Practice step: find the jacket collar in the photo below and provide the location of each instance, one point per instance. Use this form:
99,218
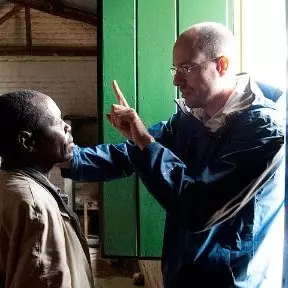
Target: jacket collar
64,209
243,96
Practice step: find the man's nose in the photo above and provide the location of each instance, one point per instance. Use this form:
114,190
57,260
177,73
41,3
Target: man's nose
178,79
68,128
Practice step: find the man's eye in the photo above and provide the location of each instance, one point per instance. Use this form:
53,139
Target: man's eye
184,70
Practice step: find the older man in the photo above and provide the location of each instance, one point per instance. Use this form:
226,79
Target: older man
41,244
214,166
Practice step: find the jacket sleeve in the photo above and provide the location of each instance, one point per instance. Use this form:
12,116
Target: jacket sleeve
99,163
107,161
193,201
37,254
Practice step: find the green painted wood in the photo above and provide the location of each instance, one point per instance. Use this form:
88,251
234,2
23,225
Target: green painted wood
119,233
138,53
156,36
191,12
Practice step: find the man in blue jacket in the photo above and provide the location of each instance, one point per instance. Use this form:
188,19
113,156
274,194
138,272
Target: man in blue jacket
215,167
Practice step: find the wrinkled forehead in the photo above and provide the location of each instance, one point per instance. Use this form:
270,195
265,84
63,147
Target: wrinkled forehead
47,105
185,49
53,108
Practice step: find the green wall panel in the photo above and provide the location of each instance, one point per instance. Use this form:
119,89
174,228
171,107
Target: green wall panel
138,38
194,11
155,36
119,233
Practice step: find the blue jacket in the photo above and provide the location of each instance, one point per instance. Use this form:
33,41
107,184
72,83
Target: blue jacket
223,193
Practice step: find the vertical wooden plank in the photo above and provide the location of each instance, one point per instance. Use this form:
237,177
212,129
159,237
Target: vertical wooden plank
149,71
28,27
229,16
192,12
156,35
118,62
155,38
85,218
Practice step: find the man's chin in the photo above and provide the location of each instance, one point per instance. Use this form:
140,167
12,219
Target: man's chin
66,161
189,100
192,104
69,156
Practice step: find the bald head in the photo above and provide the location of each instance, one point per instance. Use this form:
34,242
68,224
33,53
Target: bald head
208,40
205,65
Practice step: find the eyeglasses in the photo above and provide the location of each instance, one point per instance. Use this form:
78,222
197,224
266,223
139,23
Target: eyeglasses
186,69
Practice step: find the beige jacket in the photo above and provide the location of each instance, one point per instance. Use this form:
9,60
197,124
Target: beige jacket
38,245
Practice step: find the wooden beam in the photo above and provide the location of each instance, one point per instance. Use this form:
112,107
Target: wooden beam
60,10
9,14
28,27
48,51
57,5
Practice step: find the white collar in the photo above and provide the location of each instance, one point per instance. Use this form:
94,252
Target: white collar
245,93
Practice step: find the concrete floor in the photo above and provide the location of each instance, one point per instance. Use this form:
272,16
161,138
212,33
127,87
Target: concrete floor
107,275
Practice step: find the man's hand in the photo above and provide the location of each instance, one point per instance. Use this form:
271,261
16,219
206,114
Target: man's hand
121,126
127,121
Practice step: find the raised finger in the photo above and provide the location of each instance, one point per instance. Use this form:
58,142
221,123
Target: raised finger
119,95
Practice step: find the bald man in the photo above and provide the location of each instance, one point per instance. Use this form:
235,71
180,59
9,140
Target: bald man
215,167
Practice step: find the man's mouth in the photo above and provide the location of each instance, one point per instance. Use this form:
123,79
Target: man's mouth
70,141
185,91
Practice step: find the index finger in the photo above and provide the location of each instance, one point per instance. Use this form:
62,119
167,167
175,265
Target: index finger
119,95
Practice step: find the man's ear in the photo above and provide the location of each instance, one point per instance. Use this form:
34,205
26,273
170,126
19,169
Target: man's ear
25,141
222,65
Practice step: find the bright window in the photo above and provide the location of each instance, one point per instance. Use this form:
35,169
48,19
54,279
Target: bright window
261,30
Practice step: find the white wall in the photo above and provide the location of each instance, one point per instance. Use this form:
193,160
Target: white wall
70,81
264,40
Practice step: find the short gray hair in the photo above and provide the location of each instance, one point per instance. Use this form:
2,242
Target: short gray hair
214,40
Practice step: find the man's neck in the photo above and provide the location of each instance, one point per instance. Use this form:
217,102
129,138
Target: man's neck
217,103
